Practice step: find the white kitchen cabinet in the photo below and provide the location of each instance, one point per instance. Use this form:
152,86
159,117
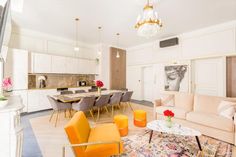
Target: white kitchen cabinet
37,99
58,64
44,102
16,67
41,63
86,66
93,67
24,96
71,65
82,66
33,100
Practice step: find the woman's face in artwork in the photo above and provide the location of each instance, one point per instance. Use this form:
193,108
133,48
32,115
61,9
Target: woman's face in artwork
174,76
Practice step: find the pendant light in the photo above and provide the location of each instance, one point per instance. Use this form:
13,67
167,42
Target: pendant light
148,23
76,48
99,40
117,44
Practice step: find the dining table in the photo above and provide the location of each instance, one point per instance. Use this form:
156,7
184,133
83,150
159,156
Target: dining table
75,97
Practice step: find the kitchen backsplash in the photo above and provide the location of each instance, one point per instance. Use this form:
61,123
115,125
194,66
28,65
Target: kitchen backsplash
59,80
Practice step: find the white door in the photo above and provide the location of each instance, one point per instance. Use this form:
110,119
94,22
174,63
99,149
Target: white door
209,76
133,78
148,83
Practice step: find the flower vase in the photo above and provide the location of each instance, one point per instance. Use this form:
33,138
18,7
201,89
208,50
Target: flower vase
169,122
99,91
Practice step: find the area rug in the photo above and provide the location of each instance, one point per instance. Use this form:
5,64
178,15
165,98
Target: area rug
166,145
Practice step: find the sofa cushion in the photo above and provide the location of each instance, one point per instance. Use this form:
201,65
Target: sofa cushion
179,113
226,109
184,100
209,104
105,133
168,100
211,120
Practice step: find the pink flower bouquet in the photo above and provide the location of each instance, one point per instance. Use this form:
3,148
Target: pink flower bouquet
7,84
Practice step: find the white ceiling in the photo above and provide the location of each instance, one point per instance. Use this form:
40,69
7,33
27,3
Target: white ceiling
56,17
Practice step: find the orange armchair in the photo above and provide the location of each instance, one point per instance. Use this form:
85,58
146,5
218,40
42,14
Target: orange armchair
101,141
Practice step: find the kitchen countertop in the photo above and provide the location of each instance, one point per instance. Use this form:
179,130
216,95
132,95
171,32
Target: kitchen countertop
56,88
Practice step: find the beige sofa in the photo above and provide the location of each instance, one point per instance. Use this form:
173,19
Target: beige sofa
199,112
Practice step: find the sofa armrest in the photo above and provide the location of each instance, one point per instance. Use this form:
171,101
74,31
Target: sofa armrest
89,144
156,103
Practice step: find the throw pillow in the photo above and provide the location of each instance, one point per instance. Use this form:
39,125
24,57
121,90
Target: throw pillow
226,109
168,100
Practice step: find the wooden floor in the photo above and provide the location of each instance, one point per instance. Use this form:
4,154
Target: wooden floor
51,139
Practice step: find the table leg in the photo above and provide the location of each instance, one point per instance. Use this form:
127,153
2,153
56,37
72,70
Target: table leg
150,138
198,143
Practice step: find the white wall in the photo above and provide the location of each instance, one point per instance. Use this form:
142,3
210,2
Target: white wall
34,41
216,41
104,65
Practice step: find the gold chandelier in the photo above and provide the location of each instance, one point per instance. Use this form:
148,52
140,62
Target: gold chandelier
148,23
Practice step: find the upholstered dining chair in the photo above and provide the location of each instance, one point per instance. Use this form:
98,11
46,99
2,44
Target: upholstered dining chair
102,102
85,104
58,107
93,90
115,101
125,99
66,92
80,91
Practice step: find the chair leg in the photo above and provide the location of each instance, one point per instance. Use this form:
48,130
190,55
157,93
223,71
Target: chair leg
51,116
98,116
57,118
106,109
70,115
124,106
118,105
130,106
112,110
91,113
65,113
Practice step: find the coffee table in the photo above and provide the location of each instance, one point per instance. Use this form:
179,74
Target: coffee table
177,129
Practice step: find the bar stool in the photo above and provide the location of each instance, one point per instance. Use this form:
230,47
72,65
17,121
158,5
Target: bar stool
122,123
140,118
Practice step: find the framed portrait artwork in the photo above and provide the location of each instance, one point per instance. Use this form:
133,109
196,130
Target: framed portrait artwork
176,78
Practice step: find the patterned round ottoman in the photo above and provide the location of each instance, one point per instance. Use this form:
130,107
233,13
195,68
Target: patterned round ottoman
140,118
122,123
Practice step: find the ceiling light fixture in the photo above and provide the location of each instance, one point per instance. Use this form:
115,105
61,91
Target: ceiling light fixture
148,24
76,48
100,40
117,44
